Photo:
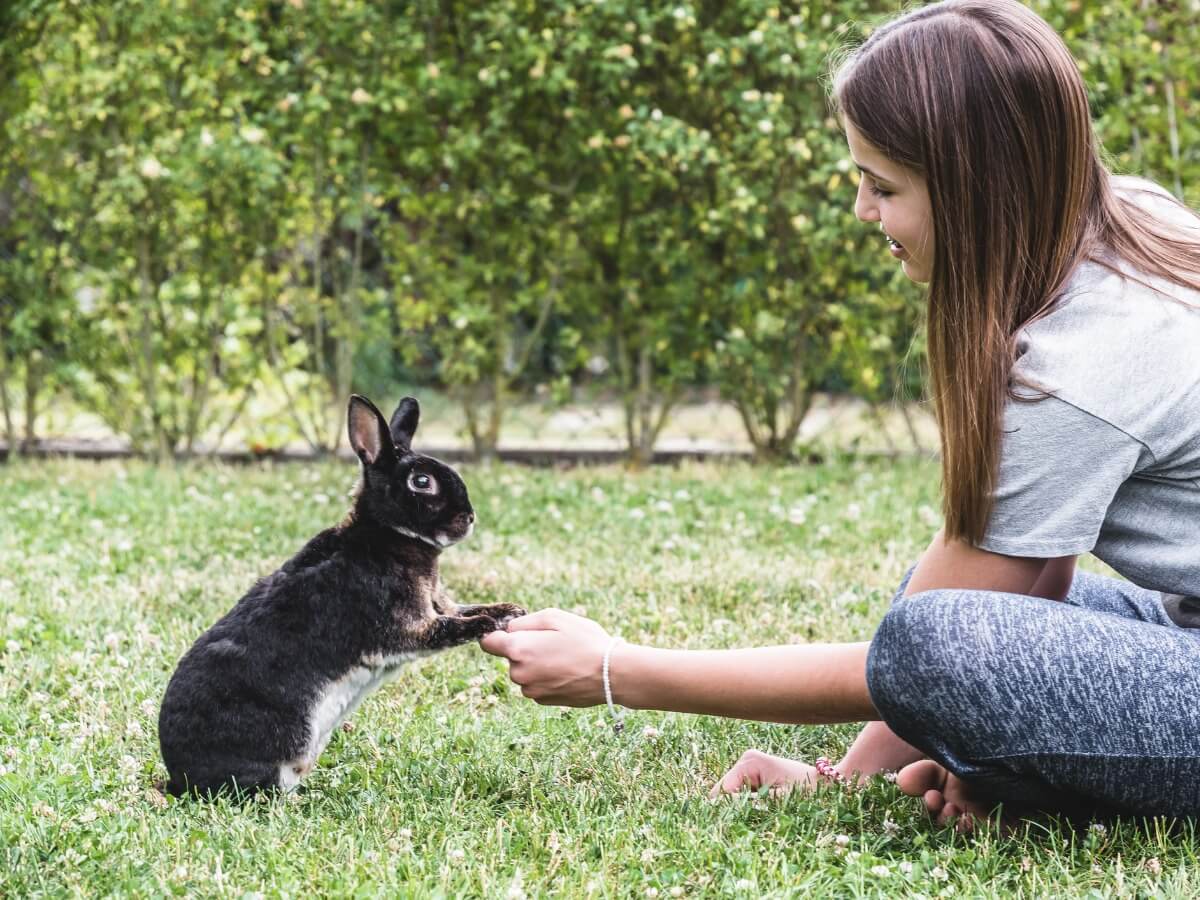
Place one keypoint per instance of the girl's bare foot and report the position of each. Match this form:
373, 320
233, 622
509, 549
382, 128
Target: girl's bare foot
947, 797
756, 769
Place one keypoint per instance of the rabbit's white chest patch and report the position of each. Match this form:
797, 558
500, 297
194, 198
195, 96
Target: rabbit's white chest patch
336, 702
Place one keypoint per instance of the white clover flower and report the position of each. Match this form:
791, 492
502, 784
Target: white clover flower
651, 892
1098, 829
151, 168
650, 733
251, 134
795, 21
797, 515
842, 840
853, 856
880, 871
785, 59
766, 126
755, 37
854, 512
679, 12
359, 97
890, 827
206, 138
905, 867
751, 96
457, 855
656, 115
676, 891
937, 873
824, 531
743, 884
637, 513
713, 58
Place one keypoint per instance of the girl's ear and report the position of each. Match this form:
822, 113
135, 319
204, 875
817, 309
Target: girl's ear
368, 431
404, 423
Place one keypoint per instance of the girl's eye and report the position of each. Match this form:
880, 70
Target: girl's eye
877, 191
422, 483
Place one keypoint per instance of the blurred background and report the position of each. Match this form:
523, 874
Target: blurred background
568, 227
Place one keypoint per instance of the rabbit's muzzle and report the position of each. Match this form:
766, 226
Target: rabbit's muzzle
461, 526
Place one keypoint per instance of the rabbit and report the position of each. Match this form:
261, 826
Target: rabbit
253, 703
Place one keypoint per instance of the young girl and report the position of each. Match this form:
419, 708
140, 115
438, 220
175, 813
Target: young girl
1064, 350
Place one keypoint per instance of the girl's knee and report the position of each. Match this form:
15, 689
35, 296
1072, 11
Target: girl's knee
918, 642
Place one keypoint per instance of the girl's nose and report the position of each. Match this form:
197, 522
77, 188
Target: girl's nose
864, 206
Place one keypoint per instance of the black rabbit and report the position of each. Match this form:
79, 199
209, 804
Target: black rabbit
254, 701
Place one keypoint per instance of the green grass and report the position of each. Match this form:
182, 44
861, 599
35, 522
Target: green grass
450, 783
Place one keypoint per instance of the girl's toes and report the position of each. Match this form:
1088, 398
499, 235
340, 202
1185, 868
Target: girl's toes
934, 801
950, 812
918, 778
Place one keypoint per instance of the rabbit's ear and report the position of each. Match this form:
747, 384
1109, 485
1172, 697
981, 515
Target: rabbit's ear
404, 423
368, 431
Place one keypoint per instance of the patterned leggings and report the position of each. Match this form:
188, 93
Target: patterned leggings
1087, 708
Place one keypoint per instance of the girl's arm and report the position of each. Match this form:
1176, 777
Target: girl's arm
556, 658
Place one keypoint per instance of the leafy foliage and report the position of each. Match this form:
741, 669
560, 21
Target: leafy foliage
205, 203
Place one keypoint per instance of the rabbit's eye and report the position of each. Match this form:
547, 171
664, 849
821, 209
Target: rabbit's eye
422, 483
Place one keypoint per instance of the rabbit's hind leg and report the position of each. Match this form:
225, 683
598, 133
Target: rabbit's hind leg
248, 781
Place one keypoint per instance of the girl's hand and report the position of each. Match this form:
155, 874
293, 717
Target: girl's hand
756, 769
555, 657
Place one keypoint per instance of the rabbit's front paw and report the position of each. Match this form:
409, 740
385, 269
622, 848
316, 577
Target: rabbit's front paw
503, 613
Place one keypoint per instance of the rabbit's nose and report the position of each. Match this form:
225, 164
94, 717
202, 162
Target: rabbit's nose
471, 518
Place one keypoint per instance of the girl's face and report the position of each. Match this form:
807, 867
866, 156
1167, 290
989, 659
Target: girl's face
898, 199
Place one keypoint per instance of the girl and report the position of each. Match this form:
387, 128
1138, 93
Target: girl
1064, 350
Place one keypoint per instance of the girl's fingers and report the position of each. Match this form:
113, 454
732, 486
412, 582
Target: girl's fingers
543, 620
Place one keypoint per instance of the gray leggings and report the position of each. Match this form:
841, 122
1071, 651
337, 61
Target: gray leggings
1087, 708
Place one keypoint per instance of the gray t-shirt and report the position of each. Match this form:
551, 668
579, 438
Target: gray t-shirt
1111, 464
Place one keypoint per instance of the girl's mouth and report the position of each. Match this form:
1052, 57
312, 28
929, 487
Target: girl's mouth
897, 248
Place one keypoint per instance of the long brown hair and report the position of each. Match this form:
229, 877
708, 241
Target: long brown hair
984, 100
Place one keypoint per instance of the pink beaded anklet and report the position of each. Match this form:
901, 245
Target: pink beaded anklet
825, 769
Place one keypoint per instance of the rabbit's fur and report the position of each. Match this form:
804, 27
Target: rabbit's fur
253, 703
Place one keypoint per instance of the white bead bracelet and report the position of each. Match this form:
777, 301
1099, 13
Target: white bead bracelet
617, 714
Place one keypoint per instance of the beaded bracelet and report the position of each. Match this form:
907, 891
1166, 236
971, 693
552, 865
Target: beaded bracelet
825, 769
618, 715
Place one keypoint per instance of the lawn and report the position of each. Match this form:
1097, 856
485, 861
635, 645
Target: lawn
450, 783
